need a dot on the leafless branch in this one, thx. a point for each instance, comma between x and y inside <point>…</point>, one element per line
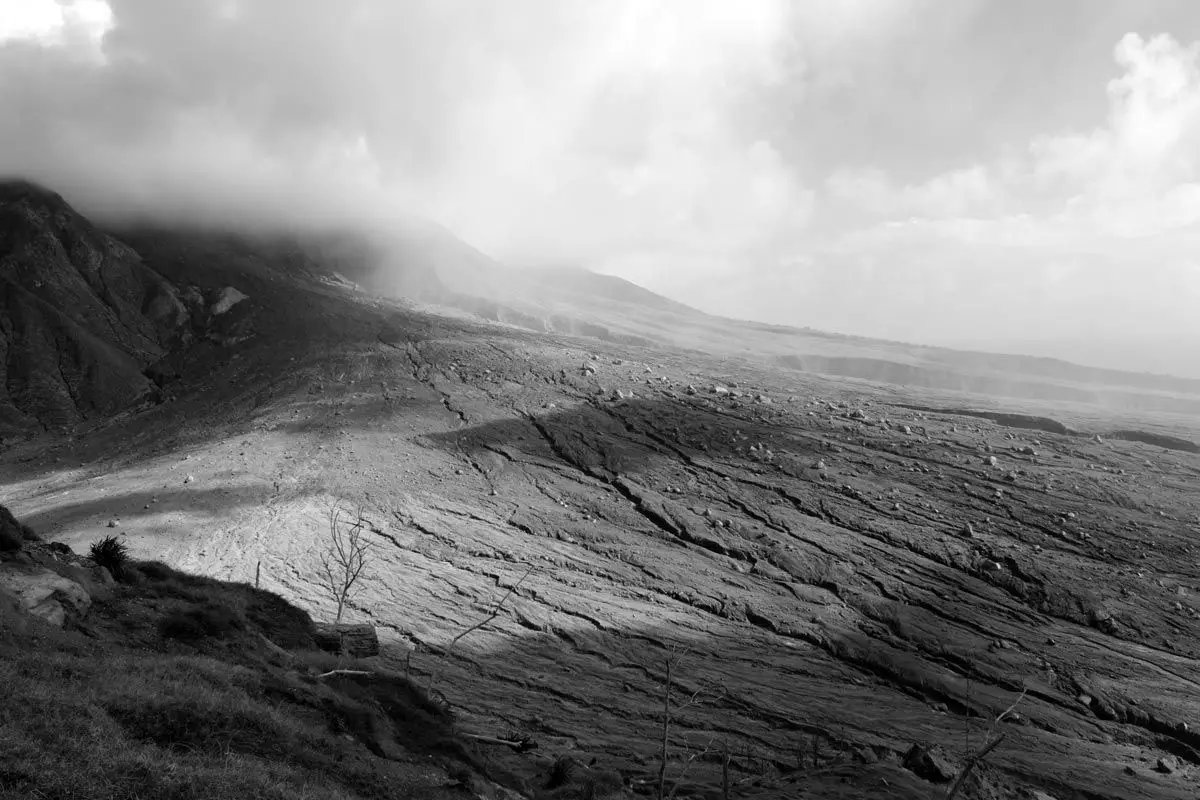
<point>687,766</point>
<point>494,613</point>
<point>974,759</point>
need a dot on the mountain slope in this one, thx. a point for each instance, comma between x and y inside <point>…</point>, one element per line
<point>839,572</point>
<point>80,315</point>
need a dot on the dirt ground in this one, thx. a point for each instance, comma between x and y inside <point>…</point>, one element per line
<point>834,575</point>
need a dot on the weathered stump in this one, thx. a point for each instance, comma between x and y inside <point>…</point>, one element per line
<point>358,641</point>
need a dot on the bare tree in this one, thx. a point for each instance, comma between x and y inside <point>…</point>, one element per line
<point>674,657</point>
<point>343,561</point>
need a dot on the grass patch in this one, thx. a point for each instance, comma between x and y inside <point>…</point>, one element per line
<point>193,624</point>
<point>174,695</point>
<point>256,610</point>
<point>182,688</point>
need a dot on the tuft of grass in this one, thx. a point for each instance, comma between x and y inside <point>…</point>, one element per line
<point>562,772</point>
<point>110,553</point>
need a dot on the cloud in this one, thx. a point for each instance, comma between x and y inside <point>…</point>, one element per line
<point>80,23</point>
<point>536,129</point>
<point>952,194</point>
<point>1135,175</point>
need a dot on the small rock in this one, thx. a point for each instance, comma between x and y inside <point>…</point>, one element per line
<point>112,523</point>
<point>189,479</point>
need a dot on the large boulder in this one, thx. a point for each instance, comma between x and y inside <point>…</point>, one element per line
<point>44,593</point>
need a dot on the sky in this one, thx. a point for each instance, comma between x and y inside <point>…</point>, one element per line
<point>1001,174</point>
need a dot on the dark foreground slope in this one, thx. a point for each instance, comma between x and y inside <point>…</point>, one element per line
<point>835,574</point>
<point>175,686</point>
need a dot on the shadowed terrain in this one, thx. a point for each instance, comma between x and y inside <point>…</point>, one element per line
<point>843,568</point>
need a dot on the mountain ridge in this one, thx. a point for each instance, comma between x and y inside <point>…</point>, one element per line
<point>88,313</point>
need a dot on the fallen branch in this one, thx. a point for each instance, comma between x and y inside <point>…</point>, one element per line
<point>520,745</point>
<point>333,672</point>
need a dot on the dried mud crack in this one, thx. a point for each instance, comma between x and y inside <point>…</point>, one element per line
<point>857,574</point>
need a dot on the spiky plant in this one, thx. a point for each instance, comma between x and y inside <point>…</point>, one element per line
<point>110,553</point>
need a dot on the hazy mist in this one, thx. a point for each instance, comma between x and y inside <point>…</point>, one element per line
<point>980,173</point>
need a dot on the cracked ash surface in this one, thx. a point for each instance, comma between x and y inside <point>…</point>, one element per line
<point>857,570</point>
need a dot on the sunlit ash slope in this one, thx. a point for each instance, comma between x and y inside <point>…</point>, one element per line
<point>843,569</point>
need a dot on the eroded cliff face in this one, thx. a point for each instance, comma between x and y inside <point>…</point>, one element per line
<point>81,316</point>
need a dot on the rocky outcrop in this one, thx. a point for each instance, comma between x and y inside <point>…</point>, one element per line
<point>43,593</point>
<point>80,315</point>
<point>47,581</point>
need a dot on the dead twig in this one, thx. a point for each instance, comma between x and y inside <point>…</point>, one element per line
<point>974,759</point>
<point>495,613</point>
<point>687,766</point>
<point>666,732</point>
<point>673,657</point>
<point>725,770</point>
